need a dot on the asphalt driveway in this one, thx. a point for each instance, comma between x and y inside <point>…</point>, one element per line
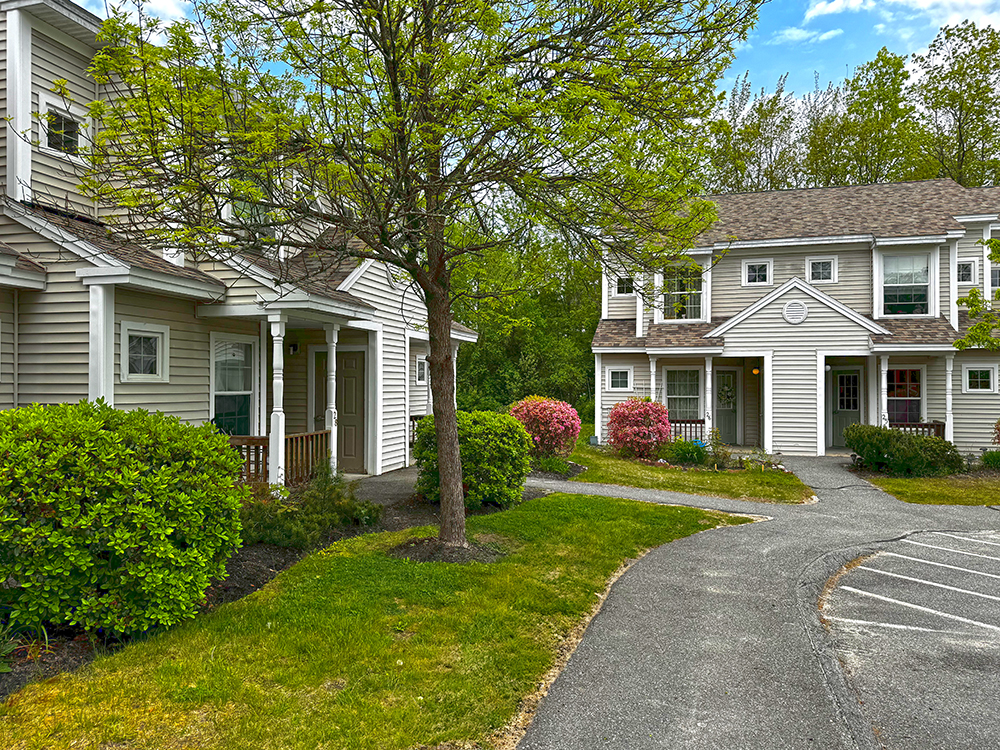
<point>715,641</point>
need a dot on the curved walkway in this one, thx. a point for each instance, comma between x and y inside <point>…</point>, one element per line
<point>714,641</point>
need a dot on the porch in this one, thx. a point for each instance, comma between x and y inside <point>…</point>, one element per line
<point>303,454</point>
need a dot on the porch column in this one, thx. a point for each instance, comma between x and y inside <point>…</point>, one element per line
<point>949,417</point>
<point>709,402</point>
<point>454,370</point>
<point>871,376</point>
<point>276,443</point>
<point>652,378</point>
<point>332,334</point>
<point>598,409</point>
<point>884,390</point>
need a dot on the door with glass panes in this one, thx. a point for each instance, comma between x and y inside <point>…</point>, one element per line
<point>846,402</point>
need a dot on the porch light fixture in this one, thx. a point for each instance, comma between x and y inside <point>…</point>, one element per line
<point>828,368</point>
<point>293,349</point>
<point>756,371</point>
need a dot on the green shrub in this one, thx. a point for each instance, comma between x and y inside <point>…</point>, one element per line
<point>113,520</point>
<point>305,516</point>
<point>901,453</point>
<point>494,451</point>
<point>719,454</point>
<point>685,452</point>
<point>551,464</point>
<point>991,460</point>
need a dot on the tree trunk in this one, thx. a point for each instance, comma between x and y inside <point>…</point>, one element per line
<point>445,420</point>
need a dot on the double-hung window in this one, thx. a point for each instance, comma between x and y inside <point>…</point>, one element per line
<point>905,395</point>
<point>906,283</point>
<point>233,364</point>
<point>682,288</point>
<point>682,393</point>
<point>144,352</point>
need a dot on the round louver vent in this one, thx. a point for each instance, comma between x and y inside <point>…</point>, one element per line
<point>795,312</point>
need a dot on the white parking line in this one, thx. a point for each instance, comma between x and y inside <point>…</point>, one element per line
<point>893,625</point>
<point>921,609</point>
<point>949,549</point>
<point>931,583</point>
<point>966,539</point>
<point>940,565</point>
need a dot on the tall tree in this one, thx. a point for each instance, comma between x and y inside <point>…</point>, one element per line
<point>433,132</point>
<point>825,142</point>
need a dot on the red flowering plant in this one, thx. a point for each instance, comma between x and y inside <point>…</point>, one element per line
<point>553,425</point>
<point>638,427</point>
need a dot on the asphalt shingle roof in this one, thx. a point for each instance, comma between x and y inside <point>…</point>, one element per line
<point>617,332</point>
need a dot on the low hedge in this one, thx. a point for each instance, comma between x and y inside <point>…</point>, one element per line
<point>899,453</point>
<point>494,451</point>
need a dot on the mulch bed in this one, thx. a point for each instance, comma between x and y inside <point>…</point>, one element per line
<point>432,549</point>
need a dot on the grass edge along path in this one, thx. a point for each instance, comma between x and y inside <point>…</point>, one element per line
<point>353,648</point>
<point>767,486</point>
<point>960,489</point>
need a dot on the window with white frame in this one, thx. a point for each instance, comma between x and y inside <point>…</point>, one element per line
<point>422,371</point>
<point>625,286</point>
<point>995,278</point>
<point>682,293</point>
<point>905,395</point>
<point>979,378</point>
<point>682,393</point>
<point>906,283</point>
<point>63,125</point>
<point>822,270</point>
<point>619,379</point>
<point>967,272</point>
<point>758,272</point>
<point>144,352</point>
<point>233,367</point>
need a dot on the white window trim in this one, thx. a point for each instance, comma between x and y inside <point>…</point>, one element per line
<point>48,100</point>
<point>833,259</point>
<point>975,271</point>
<point>701,384</point>
<point>933,291</point>
<point>213,338</point>
<point>769,262</point>
<point>416,370</point>
<point>129,327</point>
<point>614,286</point>
<point>979,366</point>
<point>706,301</point>
<point>923,385</point>
<point>619,368</point>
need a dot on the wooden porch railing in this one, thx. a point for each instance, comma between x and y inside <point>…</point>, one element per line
<point>688,429</point>
<point>931,429</point>
<point>253,448</point>
<point>303,453</point>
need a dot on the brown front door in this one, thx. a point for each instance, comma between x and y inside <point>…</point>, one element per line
<point>350,411</point>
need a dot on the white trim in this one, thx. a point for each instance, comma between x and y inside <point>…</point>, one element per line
<point>788,241</point>
<point>702,387</point>
<point>356,274</point>
<point>705,299</point>
<point>619,368</point>
<point>987,280</point>
<point>935,239</point>
<point>679,351</point>
<point>376,342</point>
<point>604,295</point>
<point>406,397</point>
<point>598,409</point>
<point>872,371</point>
<point>911,348</point>
<point>976,218</point>
<point>949,400</point>
<point>22,279</point>
<point>834,271</point>
<point>639,310</point>
<point>825,412</point>
<point>311,351</point>
<point>975,271</point>
<point>953,284</point>
<point>101,353</point>
<point>153,281</point>
<point>933,277</point>
<point>424,381</point>
<point>614,287</point>
<point>816,294</point>
<point>769,262</point>
<point>162,335</point>
<point>49,101</point>
<point>966,366</point>
<point>18,105</point>
<point>213,338</point>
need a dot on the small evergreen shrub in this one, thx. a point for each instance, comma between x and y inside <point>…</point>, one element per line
<point>552,425</point>
<point>305,516</point>
<point>494,451</point>
<point>991,460</point>
<point>638,427</point>
<point>110,519</point>
<point>688,452</point>
<point>901,453</point>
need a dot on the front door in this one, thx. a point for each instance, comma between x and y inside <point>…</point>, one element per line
<point>846,402</point>
<point>726,397</point>
<point>350,407</point>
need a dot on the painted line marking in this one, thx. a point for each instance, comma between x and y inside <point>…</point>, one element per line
<point>967,539</point>
<point>931,583</point>
<point>949,549</point>
<point>928,610</point>
<point>893,625</point>
<point>940,565</point>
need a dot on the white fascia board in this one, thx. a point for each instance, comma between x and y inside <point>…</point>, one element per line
<point>816,294</point>
<point>356,274</point>
<point>618,349</point>
<point>937,239</point>
<point>419,335</point>
<point>303,301</point>
<point>229,311</point>
<point>786,241</point>
<point>21,279</point>
<point>152,281</point>
<point>698,251</point>
<point>974,218</point>
<point>462,336</point>
<point>912,348</point>
<point>81,248</point>
<point>85,25</point>
<point>657,350</point>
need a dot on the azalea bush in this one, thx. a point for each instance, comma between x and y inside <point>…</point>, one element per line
<point>638,427</point>
<point>553,425</point>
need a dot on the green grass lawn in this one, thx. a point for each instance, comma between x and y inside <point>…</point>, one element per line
<point>767,486</point>
<point>352,648</point>
<point>963,489</point>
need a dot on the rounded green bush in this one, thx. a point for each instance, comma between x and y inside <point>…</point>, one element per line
<point>991,460</point>
<point>901,453</point>
<point>113,520</point>
<point>494,450</point>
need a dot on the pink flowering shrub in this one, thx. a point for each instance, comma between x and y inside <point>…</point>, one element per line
<point>637,427</point>
<point>553,425</point>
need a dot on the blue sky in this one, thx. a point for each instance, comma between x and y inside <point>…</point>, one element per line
<point>833,37</point>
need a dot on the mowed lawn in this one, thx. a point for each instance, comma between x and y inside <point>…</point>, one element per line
<point>765,486</point>
<point>961,489</point>
<point>353,648</point>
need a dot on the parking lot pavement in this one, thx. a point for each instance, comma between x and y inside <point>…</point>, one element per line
<point>917,630</point>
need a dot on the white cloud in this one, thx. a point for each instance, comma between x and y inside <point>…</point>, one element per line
<point>832,7</point>
<point>934,13</point>
<point>797,35</point>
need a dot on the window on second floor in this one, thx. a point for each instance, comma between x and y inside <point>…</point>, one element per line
<point>758,272</point>
<point>822,270</point>
<point>906,284</point>
<point>966,272</point>
<point>995,278</point>
<point>682,292</point>
<point>625,286</point>
<point>62,132</point>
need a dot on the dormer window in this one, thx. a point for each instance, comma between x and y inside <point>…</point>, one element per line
<point>62,126</point>
<point>625,287</point>
<point>62,133</point>
<point>682,291</point>
<point>906,284</point>
<point>967,273</point>
<point>995,278</point>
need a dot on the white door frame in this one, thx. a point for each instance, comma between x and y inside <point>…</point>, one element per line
<point>370,442</point>
<point>821,391</point>
<point>739,399</point>
<point>831,389</point>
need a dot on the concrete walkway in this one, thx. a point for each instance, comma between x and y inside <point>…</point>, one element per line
<point>714,641</point>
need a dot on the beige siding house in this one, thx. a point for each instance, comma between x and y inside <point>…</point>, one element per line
<point>333,361</point>
<point>813,310</point>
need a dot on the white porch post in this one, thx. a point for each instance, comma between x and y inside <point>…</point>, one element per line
<point>949,417</point>
<point>884,390</point>
<point>454,370</point>
<point>709,404</point>
<point>332,334</point>
<point>101,378</point>
<point>276,444</point>
<point>652,378</point>
<point>598,387</point>
<point>871,373</point>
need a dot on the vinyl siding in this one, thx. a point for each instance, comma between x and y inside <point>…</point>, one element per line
<point>640,380</point>
<point>970,249</point>
<point>6,348</point>
<point>975,414</point>
<point>240,288</point>
<point>621,307</point>
<point>53,179</point>
<point>420,395</point>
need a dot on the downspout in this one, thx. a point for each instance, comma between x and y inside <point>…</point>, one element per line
<point>15,397</point>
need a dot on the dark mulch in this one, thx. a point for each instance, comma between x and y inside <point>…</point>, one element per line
<point>432,549</point>
<point>67,650</point>
<point>574,470</point>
